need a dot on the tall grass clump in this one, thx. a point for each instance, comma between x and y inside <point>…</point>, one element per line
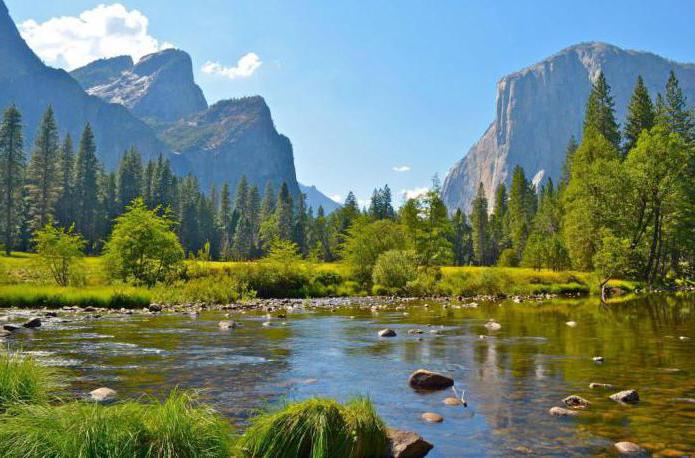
<point>35,296</point>
<point>177,427</point>
<point>319,428</point>
<point>23,380</point>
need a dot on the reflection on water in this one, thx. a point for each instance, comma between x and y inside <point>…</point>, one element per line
<point>511,377</point>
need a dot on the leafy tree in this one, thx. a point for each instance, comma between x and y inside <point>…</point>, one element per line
<point>143,246</point>
<point>427,222</point>
<point>11,174</point>
<point>394,269</point>
<point>610,259</point>
<point>479,228</point>
<point>43,185</point>
<point>600,111</point>
<point>58,250</point>
<point>640,115</point>
<point>85,186</point>
<point>364,243</point>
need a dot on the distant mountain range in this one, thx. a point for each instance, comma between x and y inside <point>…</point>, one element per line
<point>154,105</point>
<point>316,199</point>
<point>539,108</point>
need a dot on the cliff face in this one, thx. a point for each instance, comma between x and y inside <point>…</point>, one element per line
<point>32,86</point>
<point>230,139</point>
<point>540,107</point>
<point>159,88</point>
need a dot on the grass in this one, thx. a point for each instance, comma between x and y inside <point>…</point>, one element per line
<point>177,427</point>
<point>37,296</point>
<point>319,428</point>
<point>23,380</point>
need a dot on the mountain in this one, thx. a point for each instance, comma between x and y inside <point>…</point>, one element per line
<point>540,107</point>
<point>159,88</point>
<point>32,86</point>
<point>316,199</point>
<point>232,138</point>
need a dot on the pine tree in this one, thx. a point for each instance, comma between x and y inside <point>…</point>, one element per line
<point>462,243</point>
<point>301,226</point>
<point>498,223</point>
<point>571,148</point>
<point>479,227</point>
<point>130,178</point>
<point>64,206</point>
<point>164,187</point>
<point>673,110</point>
<point>43,186</point>
<point>640,115</point>
<point>268,204</point>
<point>11,175</point>
<point>522,201</point>
<point>225,218</point>
<point>241,197</point>
<point>85,182</point>
<point>148,183</point>
<point>254,211</point>
<point>600,111</point>
<point>284,214</point>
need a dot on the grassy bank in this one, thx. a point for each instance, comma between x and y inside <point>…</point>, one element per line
<point>36,296</point>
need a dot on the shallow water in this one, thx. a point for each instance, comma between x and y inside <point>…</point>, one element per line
<point>511,377</point>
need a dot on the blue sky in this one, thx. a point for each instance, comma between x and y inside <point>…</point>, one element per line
<point>363,87</point>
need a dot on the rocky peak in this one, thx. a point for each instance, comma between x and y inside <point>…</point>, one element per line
<point>102,71</point>
<point>540,107</point>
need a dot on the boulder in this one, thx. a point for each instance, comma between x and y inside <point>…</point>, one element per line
<point>406,444</point>
<point>576,402</point>
<point>427,380</point>
<point>103,395</point>
<point>629,448</point>
<point>387,333</point>
<point>627,396</point>
<point>432,417</point>
<point>561,412</point>
<point>10,327</point>
<point>227,324</point>
<point>33,323</point>
<point>154,308</point>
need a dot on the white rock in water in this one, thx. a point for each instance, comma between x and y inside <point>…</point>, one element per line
<point>629,448</point>
<point>571,324</point>
<point>493,325</point>
<point>103,395</point>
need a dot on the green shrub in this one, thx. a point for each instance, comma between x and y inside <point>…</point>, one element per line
<point>394,269</point>
<point>177,427</point>
<point>217,288</point>
<point>319,428</point>
<point>508,258</point>
<point>485,281</point>
<point>427,283</point>
<point>23,380</point>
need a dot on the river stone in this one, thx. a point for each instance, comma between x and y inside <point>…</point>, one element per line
<point>427,380</point>
<point>4,318</point>
<point>432,417</point>
<point>154,308</point>
<point>628,396</point>
<point>10,327</point>
<point>51,314</point>
<point>576,402</point>
<point>598,359</point>
<point>387,333</point>
<point>561,412</point>
<point>493,325</point>
<point>629,448</point>
<point>451,401</point>
<point>33,323</point>
<point>571,324</point>
<point>415,331</point>
<point>406,444</point>
<point>227,324</point>
<point>103,395</point>
<point>595,386</point>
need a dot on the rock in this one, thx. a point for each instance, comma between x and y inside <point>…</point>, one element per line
<point>103,395</point>
<point>387,333</point>
<point>50,315</point>
<point>33,323</point>
<point>627,396</point>
<point>406,444</point>
<point>597,359</point>
<point>451,401</point>
<point>427,380</point>
<point>415,331</point>
<point>432,417</point>
<point>595,386</point>
<point>571,324</point>
<point>493,325</point>
<point>561,412</point>
<point>227,324</point>
<point>154,308</point>
<point>10,327</point>
<point>629,448</point>
<point>683,338</point>
<point>576,402</point>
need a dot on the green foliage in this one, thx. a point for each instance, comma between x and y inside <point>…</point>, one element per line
<point>508,258</point>
<point>600,112</point>
<point>177,427</point>
<point>143,246</point>
<point>43,186</point>
<point>611,257</point>
<point>640,115</point>
<point>11,176</point>
<point>33,296</point>
<point>364,243</point>
<point>480,231</point>
<point>85,184</point>
<point>394,269</point>
<point>58,250</point>
<point>319,428</point>
<point>23,380</point>
<point>217,288</point>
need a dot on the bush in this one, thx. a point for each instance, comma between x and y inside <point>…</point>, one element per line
<point>177,427</point>
<point>57,250</point>
<point>394,269</point>
<point>23,380</point>
<point>508,258</point>
<point>217,288</point>
<point>319,428</point>
<point>427,283</point>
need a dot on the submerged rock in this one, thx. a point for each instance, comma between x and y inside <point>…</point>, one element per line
<point>575,401</point>
<point>406,444</point>
<point>597,359</point>
<point>103,395</point>
<point>227,324</point>
<point>427,380</point>
<point>10,327</point>
<point>561,412</point>
<point>571,324</point>
<point>415,331</point>
<point>387,333</point>
<point>627,396</point>
<point>432,417</point>
<point>493,325</point>
<point>33,323</point>
<point>629,448</point>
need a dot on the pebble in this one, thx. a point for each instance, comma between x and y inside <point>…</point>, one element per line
<point>561,412</point>
<point>576,402</point>
<point>387,333</point>
<point>597,359</point>
<point>571,324</point>
<point>629,448</point>
<point>493,325</point>
<point>227,324</point>
<point>595,386</point>
<point>432,417</point>
<point>628,396</point>
<point>451,401</point>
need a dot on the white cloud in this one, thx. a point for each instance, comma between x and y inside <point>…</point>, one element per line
<point>401,168</point>
<point>336,198</point>
<point>413,193</point>
<point>104,31</point>
<point>244,68</point>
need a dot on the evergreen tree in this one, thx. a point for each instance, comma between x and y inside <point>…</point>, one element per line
<point>64,206</point>
<point>462,243</point>
<point>522,201</point>
<point>673,110</point>
<point>479,228</point>
<point>254,210</point>
<point>43,185</point>
<point>164,185</point>
<point>241,197</point>
<point>268,203</point>
<point>86,192</point>
<point>148,183</point>
<point>600,111</point>
<point>284,214</point>
<point>11,175</point>
<point>225,218</point>
<point>301,226</point>
<point>640,115</point>
<point>130,178</point>
<point>109,207</point>
<point>499,237</point>
<point>571,148</point>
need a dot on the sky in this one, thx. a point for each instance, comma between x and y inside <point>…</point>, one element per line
<point>369,92</point>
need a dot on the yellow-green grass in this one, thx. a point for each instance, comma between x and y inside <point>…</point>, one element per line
<point>23,380</point>
<point>36,296</point>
